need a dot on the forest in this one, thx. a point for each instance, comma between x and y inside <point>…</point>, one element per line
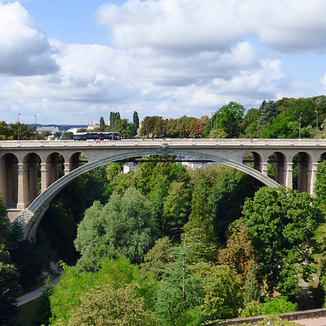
<point>165,245</point>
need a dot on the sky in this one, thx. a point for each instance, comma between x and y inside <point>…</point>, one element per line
<point>75,61</point>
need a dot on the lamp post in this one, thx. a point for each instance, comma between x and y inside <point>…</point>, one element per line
<point>18,126</point>
<point>35,126</point>
<point>211,124</point>
<point>316,125</point>
<point>300,125</point>
<point>216,125</point>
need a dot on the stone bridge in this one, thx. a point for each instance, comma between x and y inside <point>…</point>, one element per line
<point>33,172</point>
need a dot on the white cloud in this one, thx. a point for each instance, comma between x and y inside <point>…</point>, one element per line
<point>191,25</point>
<point>168,57</point>
<point>25,49</point>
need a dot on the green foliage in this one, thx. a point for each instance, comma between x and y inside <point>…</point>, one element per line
<point>239,253</point>
<point>9,288</point>
<point>278,306</point>
<point>107,306</point>
<point>251,289</point>
<point>159,182</point>
<point>123,226</point>
<point>135,120</point>
<point>320,185</point>
<point>74,285</point>
<point>223,294</point>
<point>43,307</point>
<point>282,224</point>
<point>267,111</point>
<point>157,257</point>
<point>230,119</point>
<point>180,292</point>
<point>201,223</point>
<point>251,309</point>
<point>230,188</point>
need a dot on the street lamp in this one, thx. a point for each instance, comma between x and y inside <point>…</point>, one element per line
<point>300,125</point>
<point>35,126</point>
<point>316,125</point>
<point>217,125</point>
<point>211,124</point>
<point>18,126</point>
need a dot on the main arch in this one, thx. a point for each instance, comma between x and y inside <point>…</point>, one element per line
<point>30,217</point>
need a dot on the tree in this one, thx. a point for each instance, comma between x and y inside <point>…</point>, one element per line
<point>157,257</point>
<point>106,306</point>
<point>267,111</point>
<point>251,289</point>
<point>222,291</point>
<point>114,275</point>
<point>9,288</point>
<point>239,252</point>
<point>282,225</point>
<point>102,124</point>
<point>123,226</point>
<point>201,222</point>
<point>229,118</point>
<point>135,120</point>
<point>180,292</point>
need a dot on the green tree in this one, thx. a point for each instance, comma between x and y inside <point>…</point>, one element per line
<point>123,226</point>
<point>157,257</point>
<point>201,222</point>
<point>251,289</point>
<point>239,251</point>
<point>282,224</point>
<point>223,291</point>
<point>9,288</point>
<point>176,207</point>
<point>180,292</point>
<point>74,285</point>
<point>135,120</point>
<point>106,306</point>
<point>267,111</point>
<point>102,124</point>
<point>230,119</point>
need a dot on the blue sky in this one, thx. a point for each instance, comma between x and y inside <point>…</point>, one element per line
<point>73,61</point>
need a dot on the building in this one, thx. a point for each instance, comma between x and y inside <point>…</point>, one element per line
<point>130,167</point>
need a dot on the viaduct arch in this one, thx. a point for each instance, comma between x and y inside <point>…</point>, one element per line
<point>23,165</point>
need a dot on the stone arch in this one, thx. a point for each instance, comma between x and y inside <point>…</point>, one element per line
<point>76,160</point>
<point>276,167</point>
<point>31,217</point>
<point>31,177</point>
<point>253,160</point>
<point>9,180</point>
<point>302,165</point>
<point>55,167</point>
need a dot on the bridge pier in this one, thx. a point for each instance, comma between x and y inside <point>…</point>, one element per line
<point>289,175</point>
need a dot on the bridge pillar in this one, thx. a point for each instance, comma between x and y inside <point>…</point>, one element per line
<point>3,182</point>
<point>313,173</point>
<point>264,168</point>
<point>67,168</point>
<point>45,176</point>
<point>289,175</point>
<point>23,193</point>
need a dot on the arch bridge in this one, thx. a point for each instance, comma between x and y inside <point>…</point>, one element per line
<point>33,172</point>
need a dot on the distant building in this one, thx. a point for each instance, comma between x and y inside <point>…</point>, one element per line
<point>50,129</point>
<point>129,167</point>
<point>92,125</point>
